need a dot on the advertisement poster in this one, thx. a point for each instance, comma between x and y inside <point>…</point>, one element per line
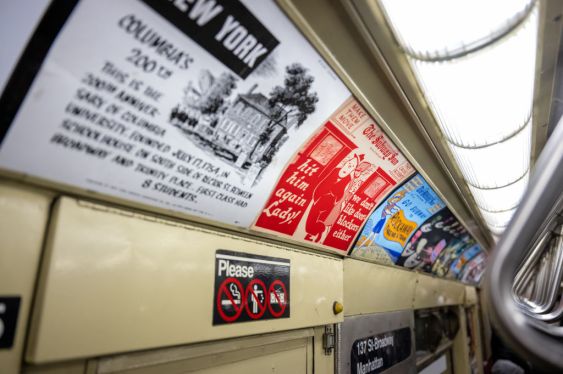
<point>473,271</point>
<point>391,225</point>
<point>458,263</point>
<point>192,106</point>
<point>332,184</point>
<point>439,233</point>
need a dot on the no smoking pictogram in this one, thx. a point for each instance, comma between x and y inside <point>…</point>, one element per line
<point>278,298</point>
<point>229,299</point>
<point>256,298</point>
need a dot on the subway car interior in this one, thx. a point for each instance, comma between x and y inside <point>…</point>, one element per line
<point>281,186</point>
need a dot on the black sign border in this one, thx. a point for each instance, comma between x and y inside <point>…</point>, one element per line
<point>31,60</point>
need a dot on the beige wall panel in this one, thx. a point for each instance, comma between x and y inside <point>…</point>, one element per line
<point>71,367</point>
<point>485,326</point>
<point>471,297</point>
<point>460,347</point>
<point>292,361</point>
<point>202,355</point>
<point>477,336</point>
<point>372,288</point>
<point>23,217</point>
<point>434,292</point>
<point>119,281</point>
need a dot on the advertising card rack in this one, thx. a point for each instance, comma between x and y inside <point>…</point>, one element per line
<point>203,112</point>
<point>178,167</point>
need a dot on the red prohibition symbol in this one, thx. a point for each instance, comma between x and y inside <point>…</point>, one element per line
<point>256,299</point>
<point>230,287</point>
<point>280,296</point>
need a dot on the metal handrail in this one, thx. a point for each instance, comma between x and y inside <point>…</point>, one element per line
<point>550,281</point>
<point>556,273</point>
<point>533,339</point>
<point>528,265</point>
<point>555,315</point>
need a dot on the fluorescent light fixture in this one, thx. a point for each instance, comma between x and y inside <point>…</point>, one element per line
<point>497,165</point>
<point>498,199</point>
<point>486,96</point>
<point>496,232</point>
<point>498,219</point>
<point>437,27</point>
<point>475,63</point>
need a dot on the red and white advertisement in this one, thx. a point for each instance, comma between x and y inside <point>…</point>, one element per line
<point>332,184</point>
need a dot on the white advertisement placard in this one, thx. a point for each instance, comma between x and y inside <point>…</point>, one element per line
<point>190,106</point>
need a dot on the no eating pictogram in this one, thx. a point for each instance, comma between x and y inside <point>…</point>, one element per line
<point>249,287</point>
<point>278,298</point>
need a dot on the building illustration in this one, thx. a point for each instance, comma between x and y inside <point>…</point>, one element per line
<point>245,132</point>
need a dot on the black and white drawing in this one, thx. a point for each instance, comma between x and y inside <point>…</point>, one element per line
<point>245,130</point>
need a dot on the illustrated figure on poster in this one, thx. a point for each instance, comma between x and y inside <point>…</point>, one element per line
<point>474,270</point>
<point>442,264</point>
<point>412,251</point>
<point>424,254</point>
<point>390,209</point>
<point>427,243</point>
<point>331,195</point>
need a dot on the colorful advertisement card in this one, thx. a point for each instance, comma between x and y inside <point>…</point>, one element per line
<point>332,184</point>
<point>473,271</point>
<point>442,265</point>
<point>394,221</point>
<point>438,233</point>
<point>204,108</point>
<point>458,263</point>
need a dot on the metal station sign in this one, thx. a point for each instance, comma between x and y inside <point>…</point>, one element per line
<point>377,343</point>
<point>250,287</point>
